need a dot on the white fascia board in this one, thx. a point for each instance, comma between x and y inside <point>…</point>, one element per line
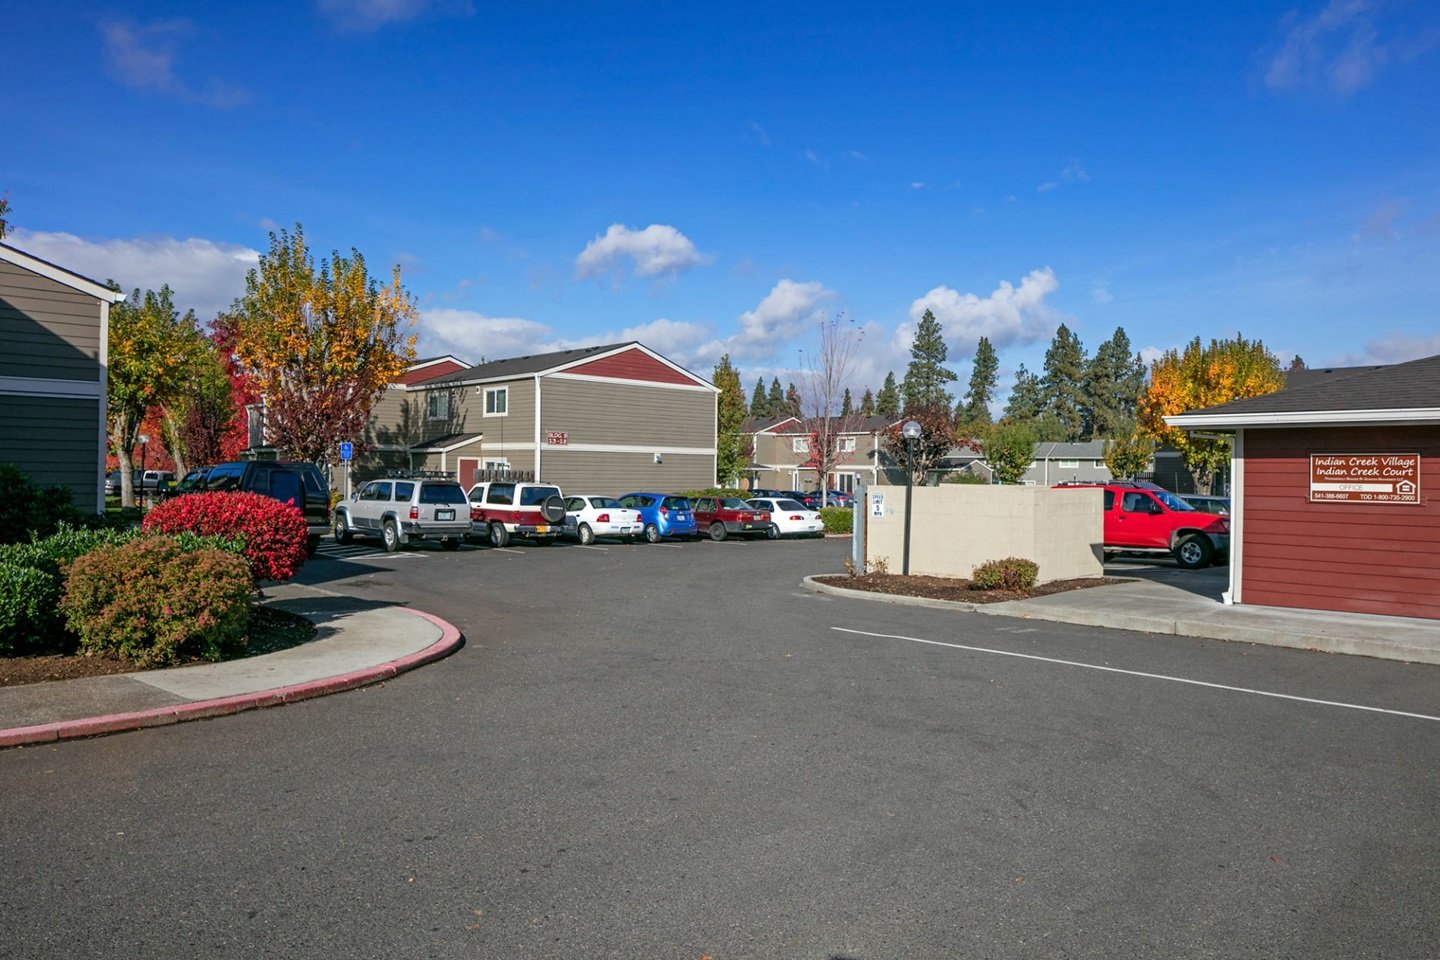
<point>1305,418</point>
<point>626,448</point>
<point>448,447</point>
<point>59,274</point>
<point>692,387</point>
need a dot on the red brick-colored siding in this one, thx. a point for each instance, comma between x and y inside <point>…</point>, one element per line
<point>632,365</point>
<point>430,372</point>
<point>1360,558</point>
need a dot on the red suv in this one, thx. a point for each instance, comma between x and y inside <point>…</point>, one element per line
<point>1147,519</point>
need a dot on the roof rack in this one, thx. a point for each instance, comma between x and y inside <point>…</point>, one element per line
<point>419,475</point>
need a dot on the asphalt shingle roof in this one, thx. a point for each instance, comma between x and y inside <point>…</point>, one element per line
<point>520,366</point>
<point>1401,386</point>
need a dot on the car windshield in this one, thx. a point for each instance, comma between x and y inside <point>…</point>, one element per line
<point>534,496</point>
<point>442,493</point>
<point>1172,501</point>
<point>605,503</point>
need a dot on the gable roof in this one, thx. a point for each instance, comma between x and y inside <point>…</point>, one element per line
<point>1399,393</point>
<point>431,368</point>
<point>788,424</point>
<point>541,364</point>
<point>50,271</point>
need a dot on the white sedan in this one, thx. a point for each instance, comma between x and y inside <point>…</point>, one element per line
<point>588,517</point>
<point>790,518</point>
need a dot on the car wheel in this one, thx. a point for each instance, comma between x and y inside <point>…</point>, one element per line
<point>717,532</point>
<point>773,533</point>
<point>392,537</point>
<point>1193,552</point>
<point>652,533</point>
<point>450,543</point>
<point>499,536</point>
<point>312,545</point>
<point>553,510</point>
<point>340,531</point>
<point>587,536</point>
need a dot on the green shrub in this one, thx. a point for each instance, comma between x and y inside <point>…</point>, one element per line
<point>716,492</point>
<point>27,510</point>
<point>838,519</point>
<point>156,602</point>
<point>28,622</point>
<point>1012,573</point>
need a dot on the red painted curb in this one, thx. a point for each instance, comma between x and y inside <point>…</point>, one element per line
<point>448,643</point>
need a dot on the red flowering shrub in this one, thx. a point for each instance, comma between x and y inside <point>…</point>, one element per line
<point>155,601</point>
<point>274,532</point>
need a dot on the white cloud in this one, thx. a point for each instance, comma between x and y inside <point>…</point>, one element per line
<point>1341,48</point>
<point>656,251</point>
<point>1010,315</point>
<point>785,313</point>
<point>677,339</point>
<point>365,15</point>
<point>1100,292</point>
<point>1396,349</point>
<point>144,58</point>
<point>471,335</point>
<point>1073,173</point>
<point>204,275</point>
<point>1150,354</point>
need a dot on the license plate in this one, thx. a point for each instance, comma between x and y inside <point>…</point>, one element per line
<point>444,514</point>
<point>542,529</point>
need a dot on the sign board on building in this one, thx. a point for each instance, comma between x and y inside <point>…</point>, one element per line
<point>1365,477</point>
<point>556,439</point>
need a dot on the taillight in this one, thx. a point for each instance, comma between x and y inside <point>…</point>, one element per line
<point>665,511</point>
<point>414,513</point>
<point>603,518</point>
<point>796,516</point>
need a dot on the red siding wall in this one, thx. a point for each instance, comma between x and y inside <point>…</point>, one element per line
<point>632,365</point>
<point>1361,558</point>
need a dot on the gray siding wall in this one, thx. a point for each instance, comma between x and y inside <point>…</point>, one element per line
<point>576,471</point>
<point>627,414</point>
<point>49,330</point>
<point>56,442</point>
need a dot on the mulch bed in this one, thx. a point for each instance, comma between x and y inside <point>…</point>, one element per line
<point>270,630</point>
<point>950,588</point>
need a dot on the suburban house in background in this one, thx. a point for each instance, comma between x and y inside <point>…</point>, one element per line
<point>781,458</point>
<point>55,325</point>
<point>1053,462</point>
<point>1329,505</point>
<point>605,418</point>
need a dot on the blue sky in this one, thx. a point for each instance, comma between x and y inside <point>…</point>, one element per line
<point>717,178</point>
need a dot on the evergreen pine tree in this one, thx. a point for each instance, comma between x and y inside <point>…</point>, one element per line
<point>776,400</point>
<point>846,404</point>
<point>792,401</point>
<point>730,418</point>
<point>1114,378</point>
<point>759,402</point>
<point>925,379</point>
<point>887,401</point>
<point>867,404</point>
<point>1027,401</point>
<point>1063,383</point>
<point>982,385</point>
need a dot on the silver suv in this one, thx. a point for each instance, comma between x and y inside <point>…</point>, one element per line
<point>401,510</point>
<point>501,509</point>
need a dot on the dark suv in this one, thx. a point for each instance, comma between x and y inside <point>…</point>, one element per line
<point>301,484</point>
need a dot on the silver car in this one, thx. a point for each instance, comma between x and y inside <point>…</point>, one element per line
<point>400,511</point>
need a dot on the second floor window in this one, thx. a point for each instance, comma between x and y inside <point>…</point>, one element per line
<point>800,445</point>
<point>437,405</point>
<point>497,401</point>
<point>845,445</point>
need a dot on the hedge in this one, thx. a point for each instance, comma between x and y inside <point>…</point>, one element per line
<point>274,533</point>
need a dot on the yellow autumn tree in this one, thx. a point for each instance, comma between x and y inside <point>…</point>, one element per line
<point>1205,376</point>
<point>321,345</point>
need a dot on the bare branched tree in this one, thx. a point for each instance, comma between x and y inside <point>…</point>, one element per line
<point>827,371</point>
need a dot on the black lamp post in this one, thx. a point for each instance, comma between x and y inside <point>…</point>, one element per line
<point>911,431</point>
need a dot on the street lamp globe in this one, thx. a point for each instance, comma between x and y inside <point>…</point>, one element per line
<point>911,430</point>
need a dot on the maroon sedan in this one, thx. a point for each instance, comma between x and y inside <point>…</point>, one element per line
<point>727,516</point>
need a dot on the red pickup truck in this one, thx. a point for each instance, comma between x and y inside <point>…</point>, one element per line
<point>1146,519</point>
<point>724,516</point>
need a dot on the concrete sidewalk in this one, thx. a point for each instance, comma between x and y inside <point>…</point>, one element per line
<point>357,643</point>
<point>1168,600</point>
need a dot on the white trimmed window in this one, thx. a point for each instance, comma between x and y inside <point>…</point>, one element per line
<point>1069,464</point>
<point>799,444</point>
<point>497,401</point>
<point>437,405</point>
<point>845,445</point>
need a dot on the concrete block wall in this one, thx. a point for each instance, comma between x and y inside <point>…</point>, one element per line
<point>957,527</point>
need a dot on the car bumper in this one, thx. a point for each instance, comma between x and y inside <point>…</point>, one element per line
<point>433,531</point>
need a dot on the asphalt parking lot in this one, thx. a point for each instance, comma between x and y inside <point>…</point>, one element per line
<point>674,750</point>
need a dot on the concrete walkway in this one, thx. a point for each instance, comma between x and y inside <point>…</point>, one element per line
<point>1165,599</point>
<point>357,643</point>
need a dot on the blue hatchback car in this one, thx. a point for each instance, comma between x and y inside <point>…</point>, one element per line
<point>664,514</point>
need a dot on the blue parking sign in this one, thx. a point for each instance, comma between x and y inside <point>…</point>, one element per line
<point>347,450</point>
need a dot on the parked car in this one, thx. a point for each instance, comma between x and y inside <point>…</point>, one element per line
<point>790,518</point>
<point>1207,503</point>
<point>811,501</point>
<point>502,510</point>
<point>401,510</point>
<point>723,517</point>
<point>144,481</point>
<point>1143,519</point>
<point>663,514</point>
<point>762,492</point>
<point>301,484</point>
<point>589,516</point>
<point>834,498</point>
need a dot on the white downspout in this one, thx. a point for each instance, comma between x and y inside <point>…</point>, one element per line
<point>537,428</point>
<point>1237,517</point>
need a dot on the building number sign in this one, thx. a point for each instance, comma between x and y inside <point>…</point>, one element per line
<point>1365,477</point>
<point>556,439</point>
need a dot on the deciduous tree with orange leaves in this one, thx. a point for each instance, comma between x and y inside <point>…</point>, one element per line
<point>1205,376</point>
<point>321,346</point>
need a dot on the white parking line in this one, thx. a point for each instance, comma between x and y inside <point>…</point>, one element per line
<point>1138,673</point>
<point>586,546</point>
<point>376,556</point>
